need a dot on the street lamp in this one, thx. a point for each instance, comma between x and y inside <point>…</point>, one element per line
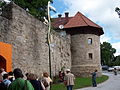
<point>118,11</point>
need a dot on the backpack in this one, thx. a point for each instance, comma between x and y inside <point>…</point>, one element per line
<point>45,83</point>
<point>3,86</point>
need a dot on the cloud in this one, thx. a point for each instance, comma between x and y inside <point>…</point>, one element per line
<point>104,38</point>
<point>116,46</point>
<point>101,12</point>
<point>7,1</point>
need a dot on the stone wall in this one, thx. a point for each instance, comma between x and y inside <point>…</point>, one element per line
<point>61,54</point>
<point>28,37</point>
<point>30,52</point>
<point>82,65</point>
<point>4,23</point>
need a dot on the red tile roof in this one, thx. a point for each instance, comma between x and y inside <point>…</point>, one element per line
<point>56,22</point>
<point>80,20</point>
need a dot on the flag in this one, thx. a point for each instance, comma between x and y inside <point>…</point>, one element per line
<point>51,7</point>
<point>7,1</point>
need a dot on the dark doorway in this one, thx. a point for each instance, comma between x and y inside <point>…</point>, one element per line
<point>2,62</point>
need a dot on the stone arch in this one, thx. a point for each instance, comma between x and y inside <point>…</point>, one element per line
<point>2,62</point>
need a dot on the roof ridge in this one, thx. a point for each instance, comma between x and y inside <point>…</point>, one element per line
<point>89,20</point>
<point>78,20</point>
<point>83,18</point>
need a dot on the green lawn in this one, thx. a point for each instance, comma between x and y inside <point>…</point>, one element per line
<point>79,83</point>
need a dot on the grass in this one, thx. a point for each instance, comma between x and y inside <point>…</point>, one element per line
<point>79,83</point>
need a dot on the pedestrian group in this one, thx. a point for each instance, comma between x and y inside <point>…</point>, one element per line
<point>15,80</point>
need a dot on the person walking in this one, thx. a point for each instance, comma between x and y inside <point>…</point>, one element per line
<point>19,83</point>
<point>3,71</point>
<point>46,80</point>
<point>5,83</point>
<point>6,80</point>
<point>11,76</point>
<point>61,78</point>
<point>94,74</point>
<point>115,71</point>
<point>69,80</point>
<point>36,83</point>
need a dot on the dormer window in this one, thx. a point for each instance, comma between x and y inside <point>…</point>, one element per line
<point>89,41</point>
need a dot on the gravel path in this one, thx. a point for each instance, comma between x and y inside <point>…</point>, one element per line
<point>113,83</point>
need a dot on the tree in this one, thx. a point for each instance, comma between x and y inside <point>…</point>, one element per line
<point>118,11</point>
<point>2,4</point>
<point>37,8</point>
<point>117,61</point>
<point>107,53</point>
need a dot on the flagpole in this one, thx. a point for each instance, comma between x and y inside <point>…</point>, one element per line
<point>49,38</point>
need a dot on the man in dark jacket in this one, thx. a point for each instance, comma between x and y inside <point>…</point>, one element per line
<point>94,78</point>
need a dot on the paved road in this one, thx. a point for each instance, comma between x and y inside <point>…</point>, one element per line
<point>113,83</point>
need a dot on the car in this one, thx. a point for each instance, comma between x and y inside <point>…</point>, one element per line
<point>117,67</point>
<point>110,69</point>
<point>105,67</point>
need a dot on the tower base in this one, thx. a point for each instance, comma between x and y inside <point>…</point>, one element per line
<point>86,71</point>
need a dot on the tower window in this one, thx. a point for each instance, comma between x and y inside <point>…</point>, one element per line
<point>89,40</point>
<point>90,55</point>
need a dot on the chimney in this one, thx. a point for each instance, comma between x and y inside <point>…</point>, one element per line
<point>66,14</point>
<point>59,15</point>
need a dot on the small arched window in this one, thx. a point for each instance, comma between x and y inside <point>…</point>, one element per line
<point>89,41</point>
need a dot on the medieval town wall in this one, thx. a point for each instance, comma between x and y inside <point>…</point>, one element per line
<point>28,37</point>
<point>61,52</point>
<point>3,28</point>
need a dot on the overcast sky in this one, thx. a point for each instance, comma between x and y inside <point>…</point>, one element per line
<point>101,12</point>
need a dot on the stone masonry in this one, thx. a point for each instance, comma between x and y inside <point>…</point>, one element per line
<point>30,51</point>
<point>28,37</point>
<point>82,65</point>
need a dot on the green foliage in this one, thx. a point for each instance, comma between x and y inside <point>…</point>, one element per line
<point>80,83</point>
<point>37,8</point>
<point>2,4</point>
<point>117,61</point>
<point>107,53</point>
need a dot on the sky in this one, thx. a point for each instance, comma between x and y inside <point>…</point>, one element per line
<point>101,12</point>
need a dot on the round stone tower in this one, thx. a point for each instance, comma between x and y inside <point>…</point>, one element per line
<point>85,45</point>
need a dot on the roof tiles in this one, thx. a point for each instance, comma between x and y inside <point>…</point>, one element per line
<point>80,20</point>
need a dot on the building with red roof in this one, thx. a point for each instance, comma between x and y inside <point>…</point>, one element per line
<point>85,42</point>
<point>24,43</point>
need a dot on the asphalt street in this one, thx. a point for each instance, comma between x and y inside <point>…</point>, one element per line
<point>113,83</point>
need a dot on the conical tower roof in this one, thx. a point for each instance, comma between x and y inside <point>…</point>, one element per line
<point>78,24</point>
<point>79,20</point>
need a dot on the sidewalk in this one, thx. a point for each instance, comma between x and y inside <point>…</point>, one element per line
<point>113,83</point>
